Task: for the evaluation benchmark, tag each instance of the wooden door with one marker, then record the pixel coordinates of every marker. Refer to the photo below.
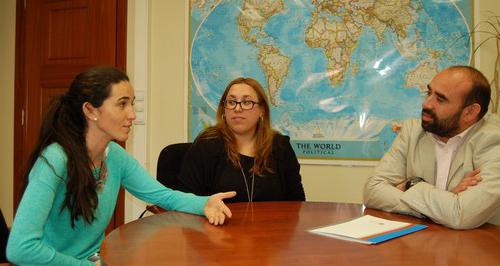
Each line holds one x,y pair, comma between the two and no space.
55,40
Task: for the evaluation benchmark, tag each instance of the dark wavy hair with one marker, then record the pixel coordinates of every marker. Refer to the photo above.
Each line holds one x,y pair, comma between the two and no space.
65,124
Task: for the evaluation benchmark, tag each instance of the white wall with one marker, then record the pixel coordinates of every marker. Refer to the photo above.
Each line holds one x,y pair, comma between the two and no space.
488,52
7,44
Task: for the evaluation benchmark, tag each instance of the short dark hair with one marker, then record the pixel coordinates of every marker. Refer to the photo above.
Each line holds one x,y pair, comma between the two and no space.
480,91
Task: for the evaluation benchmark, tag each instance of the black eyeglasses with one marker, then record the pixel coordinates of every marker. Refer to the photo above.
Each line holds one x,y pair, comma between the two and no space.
245,105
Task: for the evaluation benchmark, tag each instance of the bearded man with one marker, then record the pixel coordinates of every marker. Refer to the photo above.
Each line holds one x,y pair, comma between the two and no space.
447,165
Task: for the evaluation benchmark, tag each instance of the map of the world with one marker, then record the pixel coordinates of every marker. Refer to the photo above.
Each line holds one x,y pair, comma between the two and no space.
341,76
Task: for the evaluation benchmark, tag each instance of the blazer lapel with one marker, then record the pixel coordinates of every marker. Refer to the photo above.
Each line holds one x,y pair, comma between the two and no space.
457,162
427,154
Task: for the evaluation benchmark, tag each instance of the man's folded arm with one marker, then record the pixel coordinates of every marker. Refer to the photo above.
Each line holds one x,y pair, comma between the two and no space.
468,209
380,189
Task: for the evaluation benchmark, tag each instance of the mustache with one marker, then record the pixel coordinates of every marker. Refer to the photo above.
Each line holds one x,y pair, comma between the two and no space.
429,112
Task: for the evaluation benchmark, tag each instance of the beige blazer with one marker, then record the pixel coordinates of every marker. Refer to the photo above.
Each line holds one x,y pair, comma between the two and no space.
412,154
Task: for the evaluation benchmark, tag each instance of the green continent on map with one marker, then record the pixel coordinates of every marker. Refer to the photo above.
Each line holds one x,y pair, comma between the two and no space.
340,37
204,6
421,75
275,66
251,21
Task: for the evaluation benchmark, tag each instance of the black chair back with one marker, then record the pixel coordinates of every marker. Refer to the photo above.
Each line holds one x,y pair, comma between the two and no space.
170,162
168,168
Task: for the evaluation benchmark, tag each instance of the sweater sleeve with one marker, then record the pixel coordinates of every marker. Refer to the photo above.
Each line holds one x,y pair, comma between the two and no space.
25,245
145,187
292,178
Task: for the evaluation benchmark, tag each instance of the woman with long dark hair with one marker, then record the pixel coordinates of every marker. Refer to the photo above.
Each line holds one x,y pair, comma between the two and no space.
76,170
241,152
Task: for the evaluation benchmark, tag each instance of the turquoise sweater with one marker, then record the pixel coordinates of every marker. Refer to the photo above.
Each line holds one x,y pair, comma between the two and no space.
42,234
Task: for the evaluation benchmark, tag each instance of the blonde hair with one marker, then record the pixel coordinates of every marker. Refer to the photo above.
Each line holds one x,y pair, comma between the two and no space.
263,136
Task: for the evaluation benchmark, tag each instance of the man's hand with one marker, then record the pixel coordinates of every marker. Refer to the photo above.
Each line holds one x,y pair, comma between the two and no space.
471,179
402,186
215,209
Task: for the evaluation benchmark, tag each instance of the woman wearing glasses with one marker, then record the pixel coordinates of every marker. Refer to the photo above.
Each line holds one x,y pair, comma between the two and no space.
242,152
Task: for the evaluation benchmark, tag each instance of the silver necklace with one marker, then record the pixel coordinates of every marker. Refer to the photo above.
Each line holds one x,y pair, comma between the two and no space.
103,172
249,192
101,179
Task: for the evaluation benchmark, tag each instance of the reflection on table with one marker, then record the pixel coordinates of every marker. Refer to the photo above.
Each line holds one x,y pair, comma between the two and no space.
275,233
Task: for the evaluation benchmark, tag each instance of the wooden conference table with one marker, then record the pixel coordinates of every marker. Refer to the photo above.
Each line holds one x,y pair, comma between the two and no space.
275,233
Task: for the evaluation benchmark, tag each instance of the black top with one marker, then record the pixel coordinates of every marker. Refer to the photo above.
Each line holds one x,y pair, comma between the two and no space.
206,170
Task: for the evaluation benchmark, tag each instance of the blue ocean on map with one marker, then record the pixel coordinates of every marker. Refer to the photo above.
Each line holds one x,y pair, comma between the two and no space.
359,112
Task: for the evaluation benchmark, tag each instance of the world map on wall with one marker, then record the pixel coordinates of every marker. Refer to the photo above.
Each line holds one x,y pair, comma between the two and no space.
340,75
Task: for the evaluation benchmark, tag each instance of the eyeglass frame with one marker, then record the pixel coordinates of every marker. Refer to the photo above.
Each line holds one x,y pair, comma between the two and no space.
239,103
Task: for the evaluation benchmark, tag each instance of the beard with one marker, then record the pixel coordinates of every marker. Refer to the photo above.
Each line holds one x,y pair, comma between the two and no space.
442,127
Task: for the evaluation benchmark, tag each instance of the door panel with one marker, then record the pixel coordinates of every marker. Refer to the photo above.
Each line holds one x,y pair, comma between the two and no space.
49,94
57,39
63,28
